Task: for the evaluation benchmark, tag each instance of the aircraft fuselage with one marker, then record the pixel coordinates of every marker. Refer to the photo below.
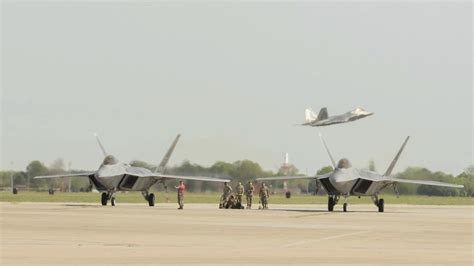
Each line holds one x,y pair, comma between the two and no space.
112,177
347,181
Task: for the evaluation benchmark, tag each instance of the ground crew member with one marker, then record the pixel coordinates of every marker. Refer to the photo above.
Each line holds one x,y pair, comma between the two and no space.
227,190
249,194
239,191
181,189
264,196
225,196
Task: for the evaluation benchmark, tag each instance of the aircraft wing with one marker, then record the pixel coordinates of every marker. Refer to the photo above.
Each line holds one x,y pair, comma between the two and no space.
389,180
64,175
198,178
293,177
422,182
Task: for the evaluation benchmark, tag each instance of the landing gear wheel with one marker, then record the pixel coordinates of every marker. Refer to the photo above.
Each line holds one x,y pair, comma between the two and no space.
104,198
331,204
151,200
344,207
381,205
112,201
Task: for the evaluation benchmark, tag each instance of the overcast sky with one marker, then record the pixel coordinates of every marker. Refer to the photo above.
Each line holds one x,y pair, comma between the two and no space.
233,78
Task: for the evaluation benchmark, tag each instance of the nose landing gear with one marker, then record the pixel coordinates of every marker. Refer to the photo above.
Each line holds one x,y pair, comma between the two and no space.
106,196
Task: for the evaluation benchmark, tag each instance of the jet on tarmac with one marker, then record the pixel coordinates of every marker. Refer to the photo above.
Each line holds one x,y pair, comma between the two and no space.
113,176
346,181
322,119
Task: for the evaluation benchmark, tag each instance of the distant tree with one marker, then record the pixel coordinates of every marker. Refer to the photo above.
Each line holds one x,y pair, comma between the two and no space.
324,170
466,179
37,168
245,170
469,169
223,168
313,186
57,166
142,164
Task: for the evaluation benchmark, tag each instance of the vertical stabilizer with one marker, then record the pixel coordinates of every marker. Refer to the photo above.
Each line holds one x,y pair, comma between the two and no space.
327,150
100,144
166,158
323,114
394,161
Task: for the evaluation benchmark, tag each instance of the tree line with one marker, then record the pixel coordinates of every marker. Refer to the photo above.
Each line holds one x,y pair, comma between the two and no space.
238,171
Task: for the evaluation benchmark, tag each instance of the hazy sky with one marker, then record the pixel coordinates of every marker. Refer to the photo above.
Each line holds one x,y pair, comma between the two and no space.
233,78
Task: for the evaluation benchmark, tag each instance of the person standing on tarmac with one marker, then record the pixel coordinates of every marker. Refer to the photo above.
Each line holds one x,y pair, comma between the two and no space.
227,190
249,194
225,195
264,196
239,191
181,188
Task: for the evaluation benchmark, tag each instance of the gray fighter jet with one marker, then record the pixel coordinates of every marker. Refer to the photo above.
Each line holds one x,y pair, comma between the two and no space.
322,119
345,181
113,176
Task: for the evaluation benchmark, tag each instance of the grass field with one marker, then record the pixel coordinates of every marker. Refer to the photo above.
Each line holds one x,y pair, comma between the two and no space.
136,197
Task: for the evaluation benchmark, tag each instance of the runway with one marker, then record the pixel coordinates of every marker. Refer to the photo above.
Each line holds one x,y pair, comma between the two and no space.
65,233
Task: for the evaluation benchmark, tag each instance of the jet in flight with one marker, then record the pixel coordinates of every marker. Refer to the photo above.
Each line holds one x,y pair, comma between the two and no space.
322,119
345,181
113,176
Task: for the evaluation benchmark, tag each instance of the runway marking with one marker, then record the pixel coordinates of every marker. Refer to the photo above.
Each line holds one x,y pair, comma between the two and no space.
324,238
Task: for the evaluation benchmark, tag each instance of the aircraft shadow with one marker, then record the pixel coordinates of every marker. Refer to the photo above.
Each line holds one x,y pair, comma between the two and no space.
327,212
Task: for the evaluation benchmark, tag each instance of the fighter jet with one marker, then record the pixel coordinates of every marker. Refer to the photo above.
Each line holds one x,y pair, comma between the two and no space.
324,120
345,181
113,176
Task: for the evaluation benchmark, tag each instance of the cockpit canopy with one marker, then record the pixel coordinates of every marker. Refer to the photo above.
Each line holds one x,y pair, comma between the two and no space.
109,159
344,163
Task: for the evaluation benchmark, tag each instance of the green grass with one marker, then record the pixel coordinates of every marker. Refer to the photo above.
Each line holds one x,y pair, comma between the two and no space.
136,197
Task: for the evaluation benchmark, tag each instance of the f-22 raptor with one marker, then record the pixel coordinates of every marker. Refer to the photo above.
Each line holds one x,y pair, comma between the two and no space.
113,176
345,181
323,119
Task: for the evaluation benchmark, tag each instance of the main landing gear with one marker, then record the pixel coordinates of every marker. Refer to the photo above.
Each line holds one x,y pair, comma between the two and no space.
332,201
379,203
150,197
106,196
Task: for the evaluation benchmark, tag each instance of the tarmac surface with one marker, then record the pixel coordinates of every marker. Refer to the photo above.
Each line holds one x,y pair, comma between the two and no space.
73,233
